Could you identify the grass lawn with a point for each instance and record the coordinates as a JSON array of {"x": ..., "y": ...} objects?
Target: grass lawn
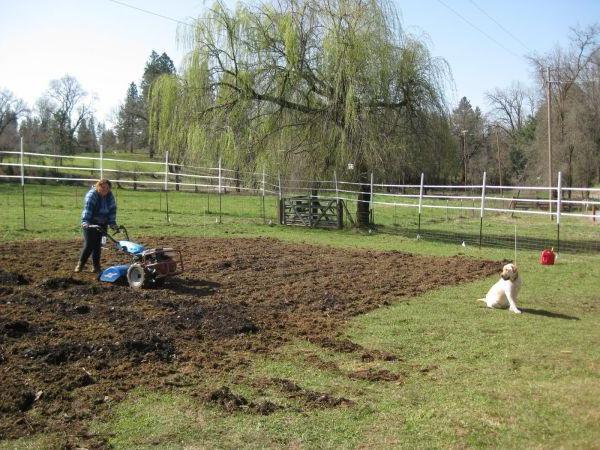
[{"x": 466, "y": 376}]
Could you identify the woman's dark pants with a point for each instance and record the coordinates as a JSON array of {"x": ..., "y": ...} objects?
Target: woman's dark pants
[{"x": 92, "y": 244}]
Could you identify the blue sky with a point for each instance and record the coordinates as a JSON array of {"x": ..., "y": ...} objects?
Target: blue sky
[{"x": 105, "y": 45}]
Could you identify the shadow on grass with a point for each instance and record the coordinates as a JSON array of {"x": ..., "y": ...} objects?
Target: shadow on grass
[
  {"x": 543, "y": 312},
  {"x": 472, "y": 239}
]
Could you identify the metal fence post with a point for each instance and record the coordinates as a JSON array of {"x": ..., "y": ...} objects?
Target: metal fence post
[
  {"x": 101, "y": 161},
  {"x": 558, "y": 211},
  {"x": 482, "y": 207},
  {"x": 420, "y": 205}
]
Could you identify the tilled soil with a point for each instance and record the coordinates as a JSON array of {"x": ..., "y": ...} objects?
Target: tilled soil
[{"x": 71, "y": 346}]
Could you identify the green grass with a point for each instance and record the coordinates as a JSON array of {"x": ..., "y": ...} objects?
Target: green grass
[{"x": 470, "y": 377}]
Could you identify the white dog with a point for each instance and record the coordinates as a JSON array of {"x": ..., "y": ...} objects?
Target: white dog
[{"x": 504, "y": 293}]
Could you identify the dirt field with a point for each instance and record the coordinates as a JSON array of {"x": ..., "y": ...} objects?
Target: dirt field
[{"x": 71, "y": 346}]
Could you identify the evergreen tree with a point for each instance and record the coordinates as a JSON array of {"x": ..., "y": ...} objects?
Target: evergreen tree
[
  {"x": 106, "y": 137},
  {"x": 469, "y": 126},
  {"x": 130, "y": 125},
  {"x": 86, "y": 137},
  {"x": 155, "y": 67}
]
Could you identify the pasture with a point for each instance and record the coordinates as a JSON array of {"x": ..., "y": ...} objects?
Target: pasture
[{"x": 290, "y": 337}]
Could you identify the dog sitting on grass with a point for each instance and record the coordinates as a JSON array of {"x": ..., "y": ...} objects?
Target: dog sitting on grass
[{"x": 504, "y": 293}]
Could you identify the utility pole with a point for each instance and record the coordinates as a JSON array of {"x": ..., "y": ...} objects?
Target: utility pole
[{"x": 549, "y": 106}]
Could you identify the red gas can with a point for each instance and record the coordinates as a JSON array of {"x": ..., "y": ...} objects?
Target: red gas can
[{"x": 547, "y": 257}]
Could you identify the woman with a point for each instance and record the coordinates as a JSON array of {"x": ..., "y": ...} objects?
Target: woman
[{"x": 99, "y": 208}]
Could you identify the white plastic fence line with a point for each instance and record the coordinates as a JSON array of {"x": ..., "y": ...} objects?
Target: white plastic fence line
[
  {"x": 522, "y": 188},
  {"x": 587, "y": 202},
  {"x": 471, "y": 187},
  {"x": 414, "y": 186},
  {"x": 92, "y": 169},
  {"x": 433, "y": 197},
  {"x": 558, "y": 198},
  {"x": 463, "y": 187},
  {"x": 483, "y": 195},
  {"x": 581, "y": 202},
  {"x": 389, "y": 194},
  {"x": 595, "y": 190},
  {"x": 586, "y": 216},
  {"x": 521, "y": 200},
  {"x": 263, "y": 182},
  {"x": 89, "y": 158},
  {"x": 421, "y": 194},
  {"x": 519, "y": 211}
]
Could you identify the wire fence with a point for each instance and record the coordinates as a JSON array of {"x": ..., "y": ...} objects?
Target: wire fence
[{"x": 480, "y": 214}]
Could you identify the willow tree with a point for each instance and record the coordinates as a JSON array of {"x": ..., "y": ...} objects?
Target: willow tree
[{"x": 309, "y": 82}]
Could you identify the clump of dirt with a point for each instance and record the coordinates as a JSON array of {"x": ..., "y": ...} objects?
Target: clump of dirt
[
  {"x": 225, "y": 321},
  {"x": 60, "y": 283},
  {"x": 16, "y": 396},
  {"x": 373, "y": 355},
  {"x": 375, "y": 375},
  {"x": 340, "y": 346},
  {"x": 12, "y": 278},
  {"x": 319, "y": 363},
  {"x": 85, "y": 344},
  {"x": 16, "y": 328},
  {"x": 150, "y": 344},
  {"x": 231, "y": 402},
  {"x": 310, "y": 398}
]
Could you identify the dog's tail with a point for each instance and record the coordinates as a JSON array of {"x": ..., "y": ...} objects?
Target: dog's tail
[{"x": 482, "y": 300}]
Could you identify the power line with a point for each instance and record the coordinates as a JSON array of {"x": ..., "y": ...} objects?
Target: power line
[
  {"x": 499, "y": 25},
  {"x": 477, "y": 28},
  {"x": 151, "y": 13}
]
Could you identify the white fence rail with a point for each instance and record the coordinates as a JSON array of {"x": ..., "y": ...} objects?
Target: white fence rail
[{"x": 555, "y": 202}]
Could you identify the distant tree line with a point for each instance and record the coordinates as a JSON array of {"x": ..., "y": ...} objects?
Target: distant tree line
[
  {"x": 63, "y": 121},
  {"x": 307, "y": 88}
]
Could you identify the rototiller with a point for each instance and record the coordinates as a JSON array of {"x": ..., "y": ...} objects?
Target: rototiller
[{"x": 149, "y": 267}]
